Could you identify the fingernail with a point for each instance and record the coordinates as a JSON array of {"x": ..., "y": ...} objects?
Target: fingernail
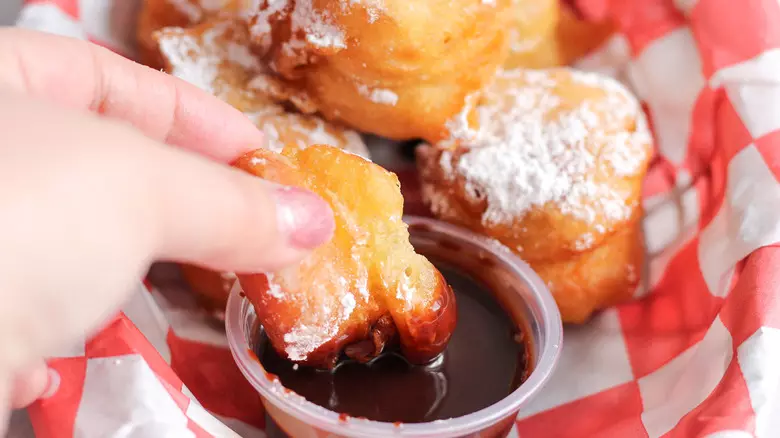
[
  {"x": 53, "y": 384},
  {"x": 305, "y": 218}
]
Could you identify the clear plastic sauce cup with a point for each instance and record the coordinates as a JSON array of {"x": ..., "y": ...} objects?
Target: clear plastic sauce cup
[{"x": 518, "y": 289}]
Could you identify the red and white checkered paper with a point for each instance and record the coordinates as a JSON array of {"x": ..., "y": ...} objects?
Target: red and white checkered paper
[{"x": 698, "y": 354}]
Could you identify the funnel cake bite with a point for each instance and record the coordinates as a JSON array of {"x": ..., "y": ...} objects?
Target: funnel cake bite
[
  {"x": 366, "y": 288},
  {"x": 394, "y": 68},
  {"x": 551, "y": 164}
]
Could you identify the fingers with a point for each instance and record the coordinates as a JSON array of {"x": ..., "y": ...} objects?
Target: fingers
[
  {"x": 29, "y": 385},
  {"x": 162, "y": 107},
  {"x": 90, "y": 203},
  {"x": 111, "y": 183},
  {"x": 225, "y": 219}
]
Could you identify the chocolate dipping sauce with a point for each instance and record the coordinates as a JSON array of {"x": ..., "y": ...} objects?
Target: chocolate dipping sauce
[{"x": 482, "y": 364}]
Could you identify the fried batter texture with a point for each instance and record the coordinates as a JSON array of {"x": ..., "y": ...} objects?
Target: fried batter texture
[{"x": 363, "y": 291}]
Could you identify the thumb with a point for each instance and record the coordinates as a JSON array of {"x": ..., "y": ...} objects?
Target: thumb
[{"x": 216, "y": 216}]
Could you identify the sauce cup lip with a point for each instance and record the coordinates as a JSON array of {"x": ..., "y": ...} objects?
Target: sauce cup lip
[{"x": 544, "y": 311}]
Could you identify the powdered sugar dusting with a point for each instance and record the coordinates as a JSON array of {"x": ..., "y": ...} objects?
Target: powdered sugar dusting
[
  {"x": 198, "y": 60},
  {"x": 262, "y": 18},
  {"x": 348, "y": 301},
  {"x": 303, "y": 131},
  {"x": 189, "y": 62},
  {"x": 374, "y": 8},
  {"x": 324, "y": 311},
  {"x": 273, "y": 287},
  {"x": 378, "y": 95},
  {"x": 326, "y": 304},
  {"x": 304, "y": 339},
  {"x": 314, "y": 26},
  {"x": 317, "y": 25},
  {"x": 533, "y": 149}
]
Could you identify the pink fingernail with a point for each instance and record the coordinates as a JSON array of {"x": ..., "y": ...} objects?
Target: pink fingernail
[
  {"x": 53, "y": 385},
  {"x": 305, "y": 218}
]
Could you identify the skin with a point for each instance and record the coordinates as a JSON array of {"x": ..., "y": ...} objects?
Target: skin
[{"x": 105, "y": 167}]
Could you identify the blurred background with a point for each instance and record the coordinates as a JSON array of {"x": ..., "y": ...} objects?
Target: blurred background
[{"x": 8, "y": 11}]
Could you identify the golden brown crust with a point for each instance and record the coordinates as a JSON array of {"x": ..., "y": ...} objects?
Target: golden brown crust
[
  {"x": 604, "y": 276},
  {"x": 551, "y": 164},
  {"x": 393, "y": 68},
  {"x": 566, "y": 41}
]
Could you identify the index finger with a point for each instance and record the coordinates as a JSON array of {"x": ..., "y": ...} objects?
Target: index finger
[{"x": 82, "y": 75}]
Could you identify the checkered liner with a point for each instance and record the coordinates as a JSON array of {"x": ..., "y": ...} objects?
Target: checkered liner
[{"x": 699, "y": 355}]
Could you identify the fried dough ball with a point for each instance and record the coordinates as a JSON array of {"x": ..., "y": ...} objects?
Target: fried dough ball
[
  {"x": 550, "y": 163},
  {"x": 215, "y": 57},
  {"x": 567, "y": 40},
  {"x": 364, "y": 289},
  {"x": 395, "y": 68},
  {"x": 158, "y": 14}
]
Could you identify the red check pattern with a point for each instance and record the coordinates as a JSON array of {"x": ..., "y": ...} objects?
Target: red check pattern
[{"x": 698, "y": 353}]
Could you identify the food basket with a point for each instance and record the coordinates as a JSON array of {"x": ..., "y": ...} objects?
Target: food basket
[{"x": 697, "y": 354}]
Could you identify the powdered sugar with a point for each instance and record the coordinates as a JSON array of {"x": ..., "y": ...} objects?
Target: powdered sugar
[
  {"x": 533, "y": 149},
  {"x": 273, "y": 287},
  {"x": 262, "y": 18},
  {"x": 304, "y": 339},
  {"x": 198, "y": 60},
  {"x": 324, "y": 312},
  {"x": 310, "y": 130},
  {"x": 188, "y": 61},
  {"x": 374, "y": 8},
  {"x": 348, "y": 302},
  {"x": 378, "y": 95},
  {"x": 316, "y": 26}
]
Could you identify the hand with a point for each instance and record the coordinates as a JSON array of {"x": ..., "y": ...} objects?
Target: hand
[{"x": 90, "y": 195}]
